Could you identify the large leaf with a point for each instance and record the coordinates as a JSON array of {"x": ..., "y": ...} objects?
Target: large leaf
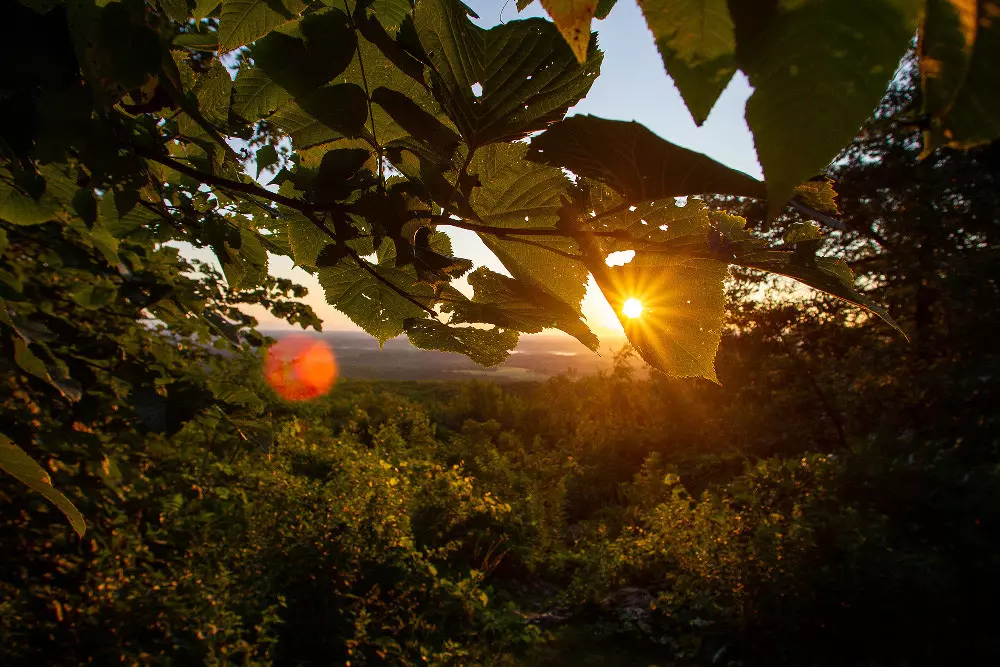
[
  {"x": 528, "y": 76},
  {"x": 634, "y": 161},
  {"x": 573, "y": 18},
  {"x": 489, "y": 347},
  {"x": 513, "y": 304},
  {"x": 244, "y": 21},
  {"x": 946, "y": 46},
  {"x": 373, "y": 303},
  {"x": 973, "y": 116},
  {"x": 389, "y": 76},
  {"x": 818, "y": 68},
  {"x": 293, "y": 63},
  {"x": 214, "y": 90},
  {"x": 697, "y": 42},
  {"x": 15, "y": 462},
  {"x": 683, "y": 306},
  {"x": 514, "y": 193}
]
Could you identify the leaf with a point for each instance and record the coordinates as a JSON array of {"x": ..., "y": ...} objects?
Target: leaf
[
  {"x": 513, "y": 304},
  {"x": 370, "y": 302},
  {"x": 604, "y": 8},
  {"x": 634, "y": 161},
  {"x": 266, "y": 157},
  {"x": 827, "y": 274},
  {"x": 389, "y": 13},
  {"x": 819, "y": 195},
  {"x": 697, "y": 42},
  {"x": 198, "y": 41},
  {"x": 528, "y": 75},
  {"x": 15, "y": 462},
  {"x": 974, "y": 115},
  {"x": 96, "y": 294},
  {"x": 573, "y": 18},
  {"x": 177, "y": 10},
  {"x": 328, "y": 113},
  {"x": 818, "y": 68},
  {"x": 244, "y": 21},
  {"x": 487, "y": 347},
  {"x": 293, "y": 63},
  {"x": 204, "y": 8},
  {"x": 388, "y": 75},
  {"x": 947, "y": 42},
  {"x": 514, "y": 193},
  {"x": 683, "y": 307},
  {"x": 214, "y": 91}
]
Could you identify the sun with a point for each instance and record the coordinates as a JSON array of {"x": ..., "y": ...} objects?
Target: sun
[{"x": 632, "y": 308}]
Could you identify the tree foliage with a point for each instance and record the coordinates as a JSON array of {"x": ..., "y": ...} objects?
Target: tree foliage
[{"x": 127, "y": 126}]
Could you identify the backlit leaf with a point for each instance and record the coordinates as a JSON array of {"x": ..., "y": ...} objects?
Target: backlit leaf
[
  {"x": 15, "y": 462},
  {"x": 573, "y": 17},
  {"x": 818, "y": 68},
  {"x": 528, "y": 75},
  {"x": 634, "y": 161},
  {"x": 697, "y": 42},
  {"x": 244, "y": 21}
]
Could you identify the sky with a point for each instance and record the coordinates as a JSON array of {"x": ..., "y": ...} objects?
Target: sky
[{"x": 632, "y": 86}]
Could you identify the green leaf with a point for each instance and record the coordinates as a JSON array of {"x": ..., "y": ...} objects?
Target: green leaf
[
  {"x": 818, "y": 68},
  {"x": 373, "y": 303},
  {"x": 266, "y": 157},
  {"x": 488, "y": 347},
  {"x": 214, "y": 91},
  {"x": 15, "y": 462},
  {"x": 514, "y": 193},
  {"x": 293, "y": 63},
  {"x": 697, "y": 42},
  {"x": 386, "y": 73},
  {"x": 973, "y": 117},
  {"x": 947, "y": 42},
  {"x": 177, "y": 10},
  {"x": 683, "y": 307},
  {"x": 634, "y": 161},
  {"x": 528, "y": 74},
  {"x": 573, "y": 18},
  {"x": 827, "y": 274},
  {"x": 604, "y": 8},
  {"x": 389, "y": 13},
  {"x": 328, "y": 113},
  {"x": 198, "y": 41},
  {"x": 244, "y": 21},
  {"x": 513, "y": 304},
  {"x": 96, "y": 294},
  {"x": 204, "y": 8}
]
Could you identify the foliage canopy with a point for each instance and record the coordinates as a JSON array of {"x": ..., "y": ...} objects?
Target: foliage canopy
[{"x": 123, "y": 130}]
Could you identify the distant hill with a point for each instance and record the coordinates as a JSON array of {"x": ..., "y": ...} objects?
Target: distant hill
[{"x": 536, "y": 358}]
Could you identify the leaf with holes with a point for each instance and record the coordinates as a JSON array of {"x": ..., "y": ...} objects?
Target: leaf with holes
[
  {"x": 514, "y": 193},
  {"x": 514, "y": 304},
  {"x": 488, "y": 347},
  {"x": 528, "y": 75}
]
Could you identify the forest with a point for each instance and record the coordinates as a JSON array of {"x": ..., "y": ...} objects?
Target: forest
[{"x": 800, "y": 468}]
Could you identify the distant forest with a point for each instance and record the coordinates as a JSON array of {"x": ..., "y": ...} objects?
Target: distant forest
[{"x": 834, "y": 501}]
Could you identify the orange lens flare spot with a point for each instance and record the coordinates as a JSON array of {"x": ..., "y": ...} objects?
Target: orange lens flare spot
[
  {"x": 299, "y": 368},
  {"x": 632, "y": 308}
]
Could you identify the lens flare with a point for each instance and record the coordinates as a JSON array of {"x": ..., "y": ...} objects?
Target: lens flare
[
  {"x": 632, "y": 308},
  {"x": 299, "y": 368}
]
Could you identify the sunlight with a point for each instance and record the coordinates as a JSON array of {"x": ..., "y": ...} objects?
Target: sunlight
[{"x": 632, "y": 308}]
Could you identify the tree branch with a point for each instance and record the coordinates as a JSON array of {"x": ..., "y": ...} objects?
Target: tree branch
[{"x": 221, "y": 182}]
